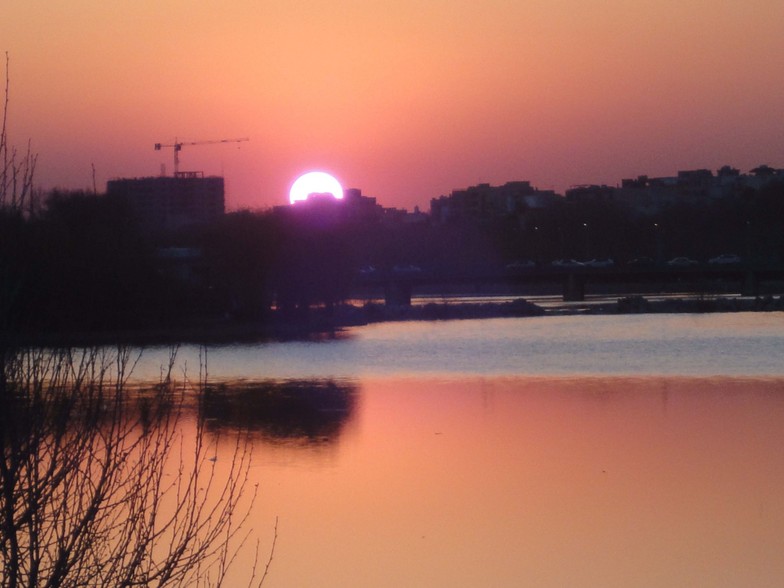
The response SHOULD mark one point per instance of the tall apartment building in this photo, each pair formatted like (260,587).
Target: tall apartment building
(169,203)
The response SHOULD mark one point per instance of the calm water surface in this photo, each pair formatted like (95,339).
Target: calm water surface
(557,451)
(732,344)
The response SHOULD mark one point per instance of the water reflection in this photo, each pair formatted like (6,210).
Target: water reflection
(539,481)
(304,411)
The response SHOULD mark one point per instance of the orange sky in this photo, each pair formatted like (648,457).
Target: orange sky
(405,100)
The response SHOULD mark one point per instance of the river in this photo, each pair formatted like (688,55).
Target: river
(728,344)
(638,450)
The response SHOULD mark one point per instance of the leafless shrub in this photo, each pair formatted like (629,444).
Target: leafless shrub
(104,486)
(17,169)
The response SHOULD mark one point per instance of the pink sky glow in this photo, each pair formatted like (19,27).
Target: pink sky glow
(405,100)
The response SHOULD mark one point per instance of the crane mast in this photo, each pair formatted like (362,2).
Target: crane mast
(178,145)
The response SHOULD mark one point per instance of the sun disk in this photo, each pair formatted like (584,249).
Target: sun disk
(315,182)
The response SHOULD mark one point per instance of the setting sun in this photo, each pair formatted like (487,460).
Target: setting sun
(315,182)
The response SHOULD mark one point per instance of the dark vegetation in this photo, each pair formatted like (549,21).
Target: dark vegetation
(79,263)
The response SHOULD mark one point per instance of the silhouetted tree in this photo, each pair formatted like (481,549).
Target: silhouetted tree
(16,191)
(763,170)
(240,251)
(81,265)
(314,265)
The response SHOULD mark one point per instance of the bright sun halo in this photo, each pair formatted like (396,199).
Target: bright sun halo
(314,182)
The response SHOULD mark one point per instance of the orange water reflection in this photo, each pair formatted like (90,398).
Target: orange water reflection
(541,482)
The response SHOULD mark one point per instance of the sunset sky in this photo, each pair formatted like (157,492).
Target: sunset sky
(405,100)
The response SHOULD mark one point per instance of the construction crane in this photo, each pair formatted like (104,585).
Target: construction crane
(178,145)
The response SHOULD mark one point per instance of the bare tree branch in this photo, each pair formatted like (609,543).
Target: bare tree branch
(100,484)
(18,170)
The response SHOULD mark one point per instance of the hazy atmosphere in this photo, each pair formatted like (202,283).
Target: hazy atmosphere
(384,294)
(405,100)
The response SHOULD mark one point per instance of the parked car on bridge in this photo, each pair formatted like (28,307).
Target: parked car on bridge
(600,263)
(567,263)
(725,259)
(682,262)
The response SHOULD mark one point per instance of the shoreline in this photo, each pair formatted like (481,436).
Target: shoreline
(320,323)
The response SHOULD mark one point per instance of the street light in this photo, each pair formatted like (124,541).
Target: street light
(536,244)
(587,242)
(657,238)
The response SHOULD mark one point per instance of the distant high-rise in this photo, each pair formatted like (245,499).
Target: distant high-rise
(170,203)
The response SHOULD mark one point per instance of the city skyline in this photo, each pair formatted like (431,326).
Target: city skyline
(408,101)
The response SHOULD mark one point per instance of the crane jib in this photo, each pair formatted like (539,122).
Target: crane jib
(178,145)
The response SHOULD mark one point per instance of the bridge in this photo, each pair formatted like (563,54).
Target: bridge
(398,287)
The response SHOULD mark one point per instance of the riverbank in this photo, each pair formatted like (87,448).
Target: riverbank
(668,305)
(369,313)
(320,323)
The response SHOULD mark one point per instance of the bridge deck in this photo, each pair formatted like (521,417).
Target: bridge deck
(399,287)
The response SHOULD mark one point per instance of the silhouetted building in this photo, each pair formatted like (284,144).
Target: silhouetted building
(353,207)
(485,203)
(700,187)
(361,207)
(590,193)
(170,203)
